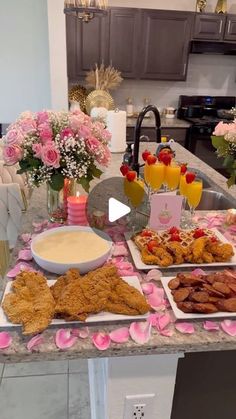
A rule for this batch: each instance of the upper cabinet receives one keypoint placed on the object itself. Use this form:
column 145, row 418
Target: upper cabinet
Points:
column 86, row 44
column 209, row 26
column 230, row 28
column 124, row 40
column 165, row 44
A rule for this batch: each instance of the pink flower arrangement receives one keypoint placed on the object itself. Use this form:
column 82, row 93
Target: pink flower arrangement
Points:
column 224, row 140
column 51, row 146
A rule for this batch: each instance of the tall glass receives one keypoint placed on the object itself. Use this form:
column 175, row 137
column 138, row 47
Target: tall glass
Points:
column 172, row 176
column 183, row 192
column 136, row 195
column 194, row 194
column 156, row 176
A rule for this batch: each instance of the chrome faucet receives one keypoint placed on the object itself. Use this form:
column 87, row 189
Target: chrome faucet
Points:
column 137, row 132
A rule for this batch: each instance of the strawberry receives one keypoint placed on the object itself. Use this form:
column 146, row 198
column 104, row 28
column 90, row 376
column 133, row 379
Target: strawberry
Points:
column 145, row 155
column 124, row 169
column 146, row 233
column 175, row 237
column 183, row 168
column 190, row 176
column 198, row 233
column 166, row 159
column 131, row 175
column 214, row 239
column 152, row 244
column 173, row 230
column 151, row 159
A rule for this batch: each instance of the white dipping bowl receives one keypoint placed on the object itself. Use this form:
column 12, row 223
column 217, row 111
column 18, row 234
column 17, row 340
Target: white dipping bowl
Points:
column 61, row 268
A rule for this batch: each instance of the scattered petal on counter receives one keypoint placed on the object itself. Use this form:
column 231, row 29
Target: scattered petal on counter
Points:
column 153, row 275
column 163, row 320
column 120, row 335
column 210, row 326
column 229, row 327
column 64, row 339
column 152, row 319
column 140, row 332
column 26, row 237
column 82, row 333
column 38, row 227
column 21, row 266
column 25, row 254
column 35, row 341
column 5, row 340
column 101, row 341
column 198, row 271
column 147, row 288
column 167, row 333
column 119, row 250
column 186, row 328
column 156, row 299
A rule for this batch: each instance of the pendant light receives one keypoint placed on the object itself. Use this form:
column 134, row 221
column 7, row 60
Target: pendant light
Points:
column 85, row 9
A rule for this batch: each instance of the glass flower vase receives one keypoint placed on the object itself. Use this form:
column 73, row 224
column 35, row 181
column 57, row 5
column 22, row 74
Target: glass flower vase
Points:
column 57, row 201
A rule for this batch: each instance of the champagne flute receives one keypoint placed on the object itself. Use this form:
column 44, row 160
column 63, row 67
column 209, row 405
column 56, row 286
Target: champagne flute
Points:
column 173, row 172
column 156, row 176
column 194, row 194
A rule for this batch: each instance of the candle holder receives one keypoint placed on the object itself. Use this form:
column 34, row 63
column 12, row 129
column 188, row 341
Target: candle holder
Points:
column 77, row 210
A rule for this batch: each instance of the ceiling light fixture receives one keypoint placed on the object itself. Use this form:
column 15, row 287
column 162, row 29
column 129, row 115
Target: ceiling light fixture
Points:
column 85, row 9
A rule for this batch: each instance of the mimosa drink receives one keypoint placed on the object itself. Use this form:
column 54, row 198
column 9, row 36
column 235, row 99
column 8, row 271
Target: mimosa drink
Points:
column 147, row 174
column 156, row 176
column 194, row 193
column 183, row 185
column 172, row 176
column 136, row 192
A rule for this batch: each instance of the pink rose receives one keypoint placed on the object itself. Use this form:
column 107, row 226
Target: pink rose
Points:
column 50, row 155
column 106, row 135
column 93, row 145
column 45, row 133
column 42, row 117
column 37, row 149
column 67, row 132
column 14, row 136
column 104, row 157
column 28, row 125
column 77, row 119
column 221, row 129
column 12, row 154
column 84, row 132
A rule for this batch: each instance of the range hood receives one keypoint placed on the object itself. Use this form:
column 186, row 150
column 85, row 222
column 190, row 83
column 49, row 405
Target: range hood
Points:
column 211, row 47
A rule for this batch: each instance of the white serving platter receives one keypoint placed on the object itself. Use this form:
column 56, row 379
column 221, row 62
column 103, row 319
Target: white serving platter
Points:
column 135, row 253
column 180, row 315
column 103, row 317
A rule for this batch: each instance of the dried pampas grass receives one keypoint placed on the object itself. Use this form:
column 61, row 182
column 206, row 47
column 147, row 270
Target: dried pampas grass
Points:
column 103, row 78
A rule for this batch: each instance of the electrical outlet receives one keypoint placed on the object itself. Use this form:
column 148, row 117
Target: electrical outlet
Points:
column 139, row 406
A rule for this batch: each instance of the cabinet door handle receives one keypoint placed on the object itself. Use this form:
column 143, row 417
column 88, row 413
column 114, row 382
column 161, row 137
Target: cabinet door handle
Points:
column 229, row 26
column 221, row 24
column 185, row 65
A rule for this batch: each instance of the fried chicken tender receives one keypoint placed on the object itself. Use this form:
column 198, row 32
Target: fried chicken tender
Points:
column 70, row 276
column 222, row 252
column 31, row 303
column 177, row 251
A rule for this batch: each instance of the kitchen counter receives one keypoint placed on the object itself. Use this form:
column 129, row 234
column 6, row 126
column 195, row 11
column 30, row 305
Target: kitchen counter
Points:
column 165, row 123
column 177, row 343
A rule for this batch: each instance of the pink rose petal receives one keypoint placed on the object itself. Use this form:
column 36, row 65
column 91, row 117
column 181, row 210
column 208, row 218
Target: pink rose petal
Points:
column 26, row 237
column 147, row 288
column 163, row 320
column 119, row 250
column 167, row 333
column 120, row 335
column 153, row 275
column 19, row 267
column 82, row 333
column 152, row 319
column 156, row 299
column 184, row 327
column 38, row 227
column 5, row 340
column 64, row 339
column 229, row 327
column 210, row 326
column 25, row 254
column 140, row 332
column 101, row 341
column 35, row 341
column 198, row 272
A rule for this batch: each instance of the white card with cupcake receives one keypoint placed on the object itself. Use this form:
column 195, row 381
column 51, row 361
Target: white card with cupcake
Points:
column 165, row 211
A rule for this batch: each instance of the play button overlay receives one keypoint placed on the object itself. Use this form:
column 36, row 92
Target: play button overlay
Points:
column 117, row 210
column 110, row 204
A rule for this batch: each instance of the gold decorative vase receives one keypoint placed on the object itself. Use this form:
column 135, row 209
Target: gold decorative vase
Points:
column 221, row 6
column 201, row 5
column 57, row 201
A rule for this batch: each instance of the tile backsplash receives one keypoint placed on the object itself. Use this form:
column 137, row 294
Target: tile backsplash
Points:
column 207, row 75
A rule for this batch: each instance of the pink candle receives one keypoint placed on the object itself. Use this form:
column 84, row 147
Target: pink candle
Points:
column 77, row 210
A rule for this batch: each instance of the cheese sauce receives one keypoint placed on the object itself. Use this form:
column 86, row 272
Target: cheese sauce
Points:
column 71, row 247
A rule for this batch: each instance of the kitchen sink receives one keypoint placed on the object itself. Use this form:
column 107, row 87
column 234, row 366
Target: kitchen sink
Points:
column 212, row 200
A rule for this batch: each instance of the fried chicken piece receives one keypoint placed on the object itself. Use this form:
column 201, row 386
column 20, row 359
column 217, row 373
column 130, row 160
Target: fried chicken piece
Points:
column 197, row 248
column 31, row 303
column 70, row 276
column 164, row 258
column 148, row 258
column 177, row 251
column 222, row 252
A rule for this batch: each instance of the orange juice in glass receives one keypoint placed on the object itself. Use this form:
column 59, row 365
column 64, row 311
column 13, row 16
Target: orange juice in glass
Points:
column 147, row 173
column 194, row 194
column 156, row 176
column 172, row 176
column 136, row 192
column 183, row 186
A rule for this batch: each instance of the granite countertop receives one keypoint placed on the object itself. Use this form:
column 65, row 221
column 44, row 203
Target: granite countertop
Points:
column 165, row 123
column 201, row 340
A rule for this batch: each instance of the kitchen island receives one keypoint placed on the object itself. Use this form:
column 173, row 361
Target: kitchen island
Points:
column 106, row 372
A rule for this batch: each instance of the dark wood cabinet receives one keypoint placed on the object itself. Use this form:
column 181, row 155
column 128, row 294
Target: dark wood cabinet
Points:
column 209, row 26
column 124, row 40
column 230, row 28
column 87, row 44
column 165, row 44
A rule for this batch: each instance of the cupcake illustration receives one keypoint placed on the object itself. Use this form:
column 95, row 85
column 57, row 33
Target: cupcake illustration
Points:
column 165, row 215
